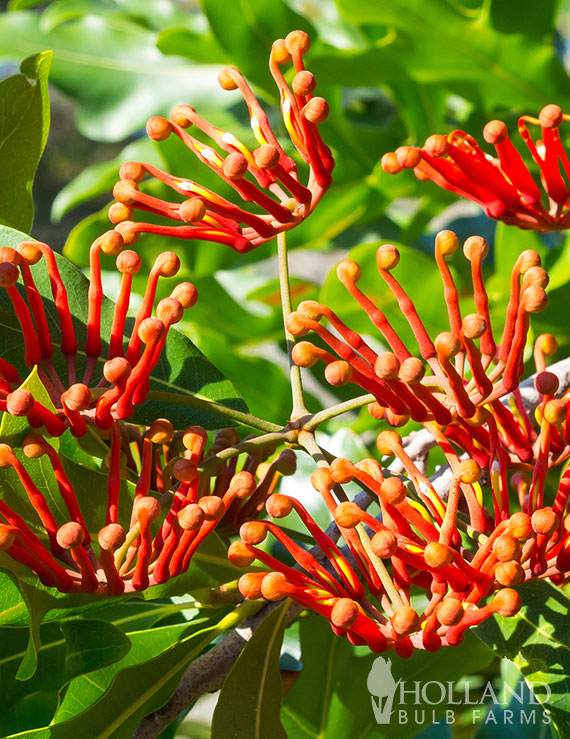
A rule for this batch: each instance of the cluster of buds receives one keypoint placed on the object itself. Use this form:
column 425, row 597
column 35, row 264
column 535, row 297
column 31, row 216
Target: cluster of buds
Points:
column 182, row 492
column 464, row 561
column 115, row 376
column 503, row 185
column 273, row 184
column 463, row 377
column 498, row 523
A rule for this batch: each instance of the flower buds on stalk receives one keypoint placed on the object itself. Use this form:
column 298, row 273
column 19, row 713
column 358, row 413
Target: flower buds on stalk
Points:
column 266, row 177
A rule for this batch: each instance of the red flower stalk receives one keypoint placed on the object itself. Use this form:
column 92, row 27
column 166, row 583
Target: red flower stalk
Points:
column 460, row 371
column 100, row 397
column 266, row 177
column 148, row 540
column 502, row 185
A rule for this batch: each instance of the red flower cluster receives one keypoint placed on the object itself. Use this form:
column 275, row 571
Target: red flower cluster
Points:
column 115, row 378
column 145, row 540
column 503, row 185
column 464, row 376
column 451, row 547
column 273, row 186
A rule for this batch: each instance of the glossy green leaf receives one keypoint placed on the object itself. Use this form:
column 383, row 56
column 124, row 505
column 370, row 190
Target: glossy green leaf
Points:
column 515, row 67
column 250, row 699
column 68, row 649
column 246, row 31
column 24, row 126
column 111, row 701
column 331, row 699
column 536, row 639
column 110, row 65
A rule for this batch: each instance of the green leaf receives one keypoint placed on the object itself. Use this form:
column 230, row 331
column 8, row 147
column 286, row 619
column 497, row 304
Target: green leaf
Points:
column 331, row 700
column 68, row 649
column 182, row 368
column 203, row 49
column 100, row 178
column 511, row 66
column 250, row 699
column 24, row 126
column 246, row 31
column 110, row 65
column 110, row 702
column 91, row 645
column 536, row 639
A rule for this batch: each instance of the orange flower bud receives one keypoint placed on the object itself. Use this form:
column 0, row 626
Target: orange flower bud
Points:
column 133, row 171
column 234, row 166
column 192, row 210
column 449, row 612
column 158, row 128
column 239, row 555
column 111, row 537
column 344, row 613
column 393, row 491
column 191, row 517
column 212, row 506
column 544, row 521
column 304, row 83
column 342, row 470
column 279, row 506
column 70, row 535
column 509, row 573
column 273, row 586
column 495, row 132
column 506, row 548
column 387, row 257
column 384, row 544
column 405, row 621
column 520, row 525
column 348, row 514
column 338, row 373
column 437, row 555
column 508, row 602
column 475, row 246
column 253, row 532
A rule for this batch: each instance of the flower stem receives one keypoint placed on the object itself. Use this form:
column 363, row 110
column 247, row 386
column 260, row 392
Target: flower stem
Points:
column 245, row 446
column 337, row 410
column 299, row 408
column 203, row 404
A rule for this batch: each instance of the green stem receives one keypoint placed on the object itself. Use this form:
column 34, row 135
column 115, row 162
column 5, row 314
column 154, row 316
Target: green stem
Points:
column 203, row 404
column 246, row 446
column 299, row 408
column 337, row 410
column 380, row 567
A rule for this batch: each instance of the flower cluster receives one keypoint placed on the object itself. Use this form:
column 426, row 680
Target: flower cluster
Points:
column 503, row 185
column 463, row 376
column 273, row 186
column 114, row 376
column 182, row 492
column 456, row 546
